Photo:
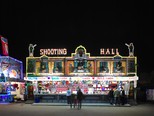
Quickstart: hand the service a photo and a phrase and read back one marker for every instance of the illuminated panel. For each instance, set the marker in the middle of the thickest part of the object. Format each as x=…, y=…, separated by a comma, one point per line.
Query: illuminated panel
x=11, y=67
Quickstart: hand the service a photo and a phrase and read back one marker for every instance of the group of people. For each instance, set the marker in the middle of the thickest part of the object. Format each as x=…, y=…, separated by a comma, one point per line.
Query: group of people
x=74, y=99
x=116, y=96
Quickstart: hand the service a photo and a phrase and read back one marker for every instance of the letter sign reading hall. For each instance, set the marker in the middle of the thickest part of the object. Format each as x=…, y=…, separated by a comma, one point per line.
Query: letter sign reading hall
x=109, y=51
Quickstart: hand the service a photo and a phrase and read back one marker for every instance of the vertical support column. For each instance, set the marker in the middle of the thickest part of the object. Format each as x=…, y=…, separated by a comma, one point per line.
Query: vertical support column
x=75, y=65
x=127, y=66
x=95, y=67
x=65, y=65
x=135, y=91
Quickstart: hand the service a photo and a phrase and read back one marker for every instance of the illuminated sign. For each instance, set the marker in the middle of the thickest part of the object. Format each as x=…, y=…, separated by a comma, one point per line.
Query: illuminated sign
x=109, y=51
x=53, y=51
x=57, y=78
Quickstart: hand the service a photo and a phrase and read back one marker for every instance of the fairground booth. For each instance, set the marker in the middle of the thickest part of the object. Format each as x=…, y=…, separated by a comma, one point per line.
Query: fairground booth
x=11, y=77
x=49, y=76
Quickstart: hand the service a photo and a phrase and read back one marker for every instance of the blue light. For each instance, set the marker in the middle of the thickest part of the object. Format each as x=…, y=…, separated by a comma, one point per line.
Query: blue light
x=9, y=90
x=5, y=98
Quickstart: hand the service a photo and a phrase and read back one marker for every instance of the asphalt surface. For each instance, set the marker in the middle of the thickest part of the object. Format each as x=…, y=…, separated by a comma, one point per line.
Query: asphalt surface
x=22, y=109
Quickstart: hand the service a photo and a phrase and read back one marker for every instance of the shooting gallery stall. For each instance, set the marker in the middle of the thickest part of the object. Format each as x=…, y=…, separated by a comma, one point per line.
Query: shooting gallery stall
x=53, y=72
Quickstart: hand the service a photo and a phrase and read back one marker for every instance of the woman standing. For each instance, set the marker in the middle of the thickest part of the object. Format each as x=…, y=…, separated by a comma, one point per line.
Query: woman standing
x=79, y=98
x=68, y=95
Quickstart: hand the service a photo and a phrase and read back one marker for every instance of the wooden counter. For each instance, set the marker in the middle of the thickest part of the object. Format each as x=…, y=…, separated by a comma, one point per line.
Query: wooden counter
x=88, y=98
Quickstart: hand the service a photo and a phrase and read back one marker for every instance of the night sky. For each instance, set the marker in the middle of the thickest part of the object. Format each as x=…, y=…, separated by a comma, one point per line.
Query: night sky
x=65, y=24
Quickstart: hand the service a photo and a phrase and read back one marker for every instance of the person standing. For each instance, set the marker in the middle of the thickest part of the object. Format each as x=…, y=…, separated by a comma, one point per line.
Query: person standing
x=68, y=95
x=111, y=97
x=122, y=96
x=79, y=98
x=126, y=89
x=116, y=95
x=74, y=100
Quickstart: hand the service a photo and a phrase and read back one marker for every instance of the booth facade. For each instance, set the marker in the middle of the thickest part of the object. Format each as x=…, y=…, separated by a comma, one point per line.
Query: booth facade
x=50, y=76
x=12, y=84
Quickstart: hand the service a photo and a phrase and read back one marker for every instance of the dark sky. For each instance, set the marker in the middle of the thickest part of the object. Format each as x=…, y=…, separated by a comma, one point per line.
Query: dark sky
x=95, y=25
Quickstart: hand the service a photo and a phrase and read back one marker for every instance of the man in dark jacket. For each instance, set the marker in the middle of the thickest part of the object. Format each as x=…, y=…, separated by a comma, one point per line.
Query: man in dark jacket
x=111, y=97
x=122, y=96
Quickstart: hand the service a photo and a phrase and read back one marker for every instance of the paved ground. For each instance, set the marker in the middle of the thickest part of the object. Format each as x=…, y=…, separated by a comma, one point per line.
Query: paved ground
x=65, y=104
x=22, y=109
